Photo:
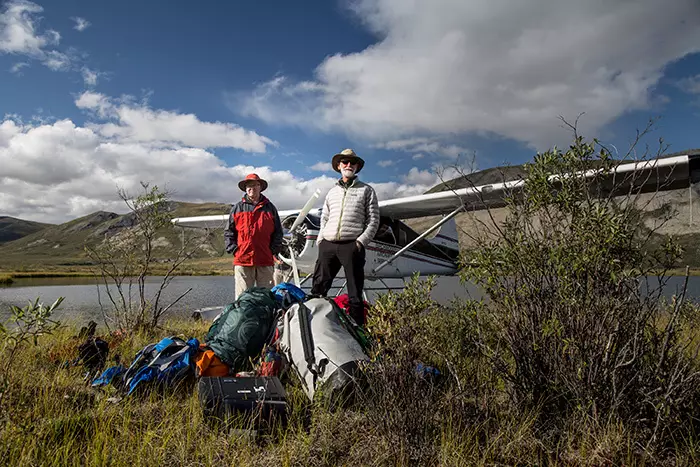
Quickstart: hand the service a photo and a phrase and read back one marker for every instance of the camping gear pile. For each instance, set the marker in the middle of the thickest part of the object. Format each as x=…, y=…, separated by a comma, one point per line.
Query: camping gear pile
x=253, y=345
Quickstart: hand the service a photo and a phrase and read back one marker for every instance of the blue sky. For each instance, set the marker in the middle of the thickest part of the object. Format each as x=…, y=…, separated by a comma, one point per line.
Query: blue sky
x=193, y=95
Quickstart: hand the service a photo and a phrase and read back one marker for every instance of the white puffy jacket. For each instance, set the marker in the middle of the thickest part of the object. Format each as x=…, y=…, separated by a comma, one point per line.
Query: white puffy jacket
x=350, y=213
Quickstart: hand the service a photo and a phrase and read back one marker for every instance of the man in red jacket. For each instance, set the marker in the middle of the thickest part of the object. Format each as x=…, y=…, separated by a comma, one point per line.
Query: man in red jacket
x=254, y=236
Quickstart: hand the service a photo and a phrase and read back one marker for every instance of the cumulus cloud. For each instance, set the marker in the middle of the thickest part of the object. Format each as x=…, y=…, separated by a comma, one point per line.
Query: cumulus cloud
x=385, y=163
x=20, y=35
x=444, y=67
x=137, y=123
x=425, y=145
x=54, y=171
x=322, y=167
x=81, y=24
x=415, y=182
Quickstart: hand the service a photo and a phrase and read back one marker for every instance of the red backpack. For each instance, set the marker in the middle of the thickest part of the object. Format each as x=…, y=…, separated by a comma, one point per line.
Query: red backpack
x=343, y=301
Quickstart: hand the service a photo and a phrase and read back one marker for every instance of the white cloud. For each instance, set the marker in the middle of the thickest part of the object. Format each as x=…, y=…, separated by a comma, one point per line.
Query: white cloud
x=137, y=123
x=691, y=84
x=425, y=145
x=17, y=68
x=57, y=171
x=429, y=178
x=91, y=77
x=20, y=35
x=18, y=29
x=385, y=163
x=81, y=24
x=418, y=156
x=98, y=103
x=322, y=167
x=56, y=61
x=442, y=67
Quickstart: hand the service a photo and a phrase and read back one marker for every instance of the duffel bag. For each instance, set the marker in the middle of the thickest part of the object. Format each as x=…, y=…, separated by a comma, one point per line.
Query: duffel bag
x=321, y=350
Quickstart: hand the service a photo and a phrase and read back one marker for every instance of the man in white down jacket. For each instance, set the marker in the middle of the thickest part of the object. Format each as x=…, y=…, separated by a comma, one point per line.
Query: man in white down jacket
x=349, y=221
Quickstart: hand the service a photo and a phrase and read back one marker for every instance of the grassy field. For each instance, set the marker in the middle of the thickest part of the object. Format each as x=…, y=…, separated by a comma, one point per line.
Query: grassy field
x=51, y=417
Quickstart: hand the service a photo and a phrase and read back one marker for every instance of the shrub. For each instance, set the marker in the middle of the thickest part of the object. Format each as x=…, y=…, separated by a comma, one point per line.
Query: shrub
x=566, y=326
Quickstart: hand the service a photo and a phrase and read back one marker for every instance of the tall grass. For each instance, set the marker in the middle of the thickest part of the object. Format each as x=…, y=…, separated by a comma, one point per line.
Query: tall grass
x=51, y=417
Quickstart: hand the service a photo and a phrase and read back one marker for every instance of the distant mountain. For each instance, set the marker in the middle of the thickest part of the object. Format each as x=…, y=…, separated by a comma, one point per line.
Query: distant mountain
x=12, y=228
x=64, y=244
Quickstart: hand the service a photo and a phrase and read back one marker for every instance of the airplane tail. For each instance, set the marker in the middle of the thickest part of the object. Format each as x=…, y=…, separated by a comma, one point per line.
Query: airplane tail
x=446, y=235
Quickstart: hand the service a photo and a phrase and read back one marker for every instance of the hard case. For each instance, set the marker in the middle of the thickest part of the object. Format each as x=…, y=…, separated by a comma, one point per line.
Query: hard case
x=260, y=399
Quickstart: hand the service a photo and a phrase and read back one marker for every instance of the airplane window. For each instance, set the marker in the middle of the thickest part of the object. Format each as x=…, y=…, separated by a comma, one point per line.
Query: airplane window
x=407, y=235
x=385, y=234
x=397, y=233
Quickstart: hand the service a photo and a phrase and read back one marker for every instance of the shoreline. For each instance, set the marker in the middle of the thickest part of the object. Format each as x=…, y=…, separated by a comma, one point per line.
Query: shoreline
x=7, y=277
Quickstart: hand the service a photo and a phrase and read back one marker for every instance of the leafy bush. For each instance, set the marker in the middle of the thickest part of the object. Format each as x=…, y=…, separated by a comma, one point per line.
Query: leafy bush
x=566, y=326
x=24, y=325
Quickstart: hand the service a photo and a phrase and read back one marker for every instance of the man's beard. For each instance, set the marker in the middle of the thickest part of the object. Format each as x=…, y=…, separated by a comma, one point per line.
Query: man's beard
x=349, y=173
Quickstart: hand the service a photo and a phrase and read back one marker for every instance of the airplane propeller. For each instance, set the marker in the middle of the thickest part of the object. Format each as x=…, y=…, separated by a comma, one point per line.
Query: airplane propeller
x=297, y=222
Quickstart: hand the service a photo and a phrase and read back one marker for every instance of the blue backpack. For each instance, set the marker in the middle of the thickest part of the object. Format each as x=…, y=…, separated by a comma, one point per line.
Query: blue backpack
x=288, y=294
x=168, y=362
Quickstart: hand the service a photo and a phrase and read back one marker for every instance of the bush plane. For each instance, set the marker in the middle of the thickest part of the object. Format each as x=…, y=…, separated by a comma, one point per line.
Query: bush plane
x=397, y=251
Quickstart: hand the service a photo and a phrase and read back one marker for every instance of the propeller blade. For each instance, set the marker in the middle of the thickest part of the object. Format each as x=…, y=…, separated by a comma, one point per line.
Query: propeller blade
x=305, y=210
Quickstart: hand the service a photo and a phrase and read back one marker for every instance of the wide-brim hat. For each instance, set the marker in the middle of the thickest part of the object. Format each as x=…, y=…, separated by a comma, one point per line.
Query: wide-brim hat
x=252, y=178
x=347, y=154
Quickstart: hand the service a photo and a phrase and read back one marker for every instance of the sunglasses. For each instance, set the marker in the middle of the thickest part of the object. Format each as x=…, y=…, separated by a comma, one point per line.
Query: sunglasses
x=348, y=162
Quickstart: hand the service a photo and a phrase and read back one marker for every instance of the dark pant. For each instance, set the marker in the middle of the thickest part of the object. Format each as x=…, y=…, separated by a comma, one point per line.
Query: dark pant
x=332, y=255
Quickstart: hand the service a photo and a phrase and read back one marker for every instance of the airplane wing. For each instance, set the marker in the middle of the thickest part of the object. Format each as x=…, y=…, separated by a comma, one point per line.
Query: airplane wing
x=218, y=221
x=655, y=174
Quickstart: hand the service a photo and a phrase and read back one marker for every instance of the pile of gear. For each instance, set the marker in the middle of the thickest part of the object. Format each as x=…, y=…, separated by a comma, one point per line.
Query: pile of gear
x=251, y=347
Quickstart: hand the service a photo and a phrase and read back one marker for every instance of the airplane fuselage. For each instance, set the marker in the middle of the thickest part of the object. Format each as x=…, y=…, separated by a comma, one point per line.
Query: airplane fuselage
x=424, y=258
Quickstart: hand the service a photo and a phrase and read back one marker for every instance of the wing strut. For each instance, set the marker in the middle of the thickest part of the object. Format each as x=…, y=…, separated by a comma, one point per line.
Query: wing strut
x=420, y=237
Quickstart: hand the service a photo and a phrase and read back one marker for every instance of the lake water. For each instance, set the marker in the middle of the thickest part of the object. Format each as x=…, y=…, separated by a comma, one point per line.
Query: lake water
x=82, y=298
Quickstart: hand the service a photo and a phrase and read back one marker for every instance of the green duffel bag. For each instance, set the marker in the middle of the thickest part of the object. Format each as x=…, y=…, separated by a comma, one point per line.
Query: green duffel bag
x=243, y=328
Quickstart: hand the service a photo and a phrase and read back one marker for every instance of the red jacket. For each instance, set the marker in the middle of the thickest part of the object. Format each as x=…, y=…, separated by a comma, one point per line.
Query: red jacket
x=253, y=233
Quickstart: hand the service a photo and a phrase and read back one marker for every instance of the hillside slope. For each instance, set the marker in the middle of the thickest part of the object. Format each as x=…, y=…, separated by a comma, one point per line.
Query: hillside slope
x=61, y=246
x=12, y=228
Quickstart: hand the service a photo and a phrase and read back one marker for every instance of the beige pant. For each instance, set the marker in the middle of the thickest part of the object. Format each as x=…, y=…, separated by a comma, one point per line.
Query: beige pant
x=248, y=276
x=282, y=276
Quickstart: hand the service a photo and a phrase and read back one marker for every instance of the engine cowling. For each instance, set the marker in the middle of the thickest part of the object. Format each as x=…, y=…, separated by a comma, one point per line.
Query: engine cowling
x=302, y=242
